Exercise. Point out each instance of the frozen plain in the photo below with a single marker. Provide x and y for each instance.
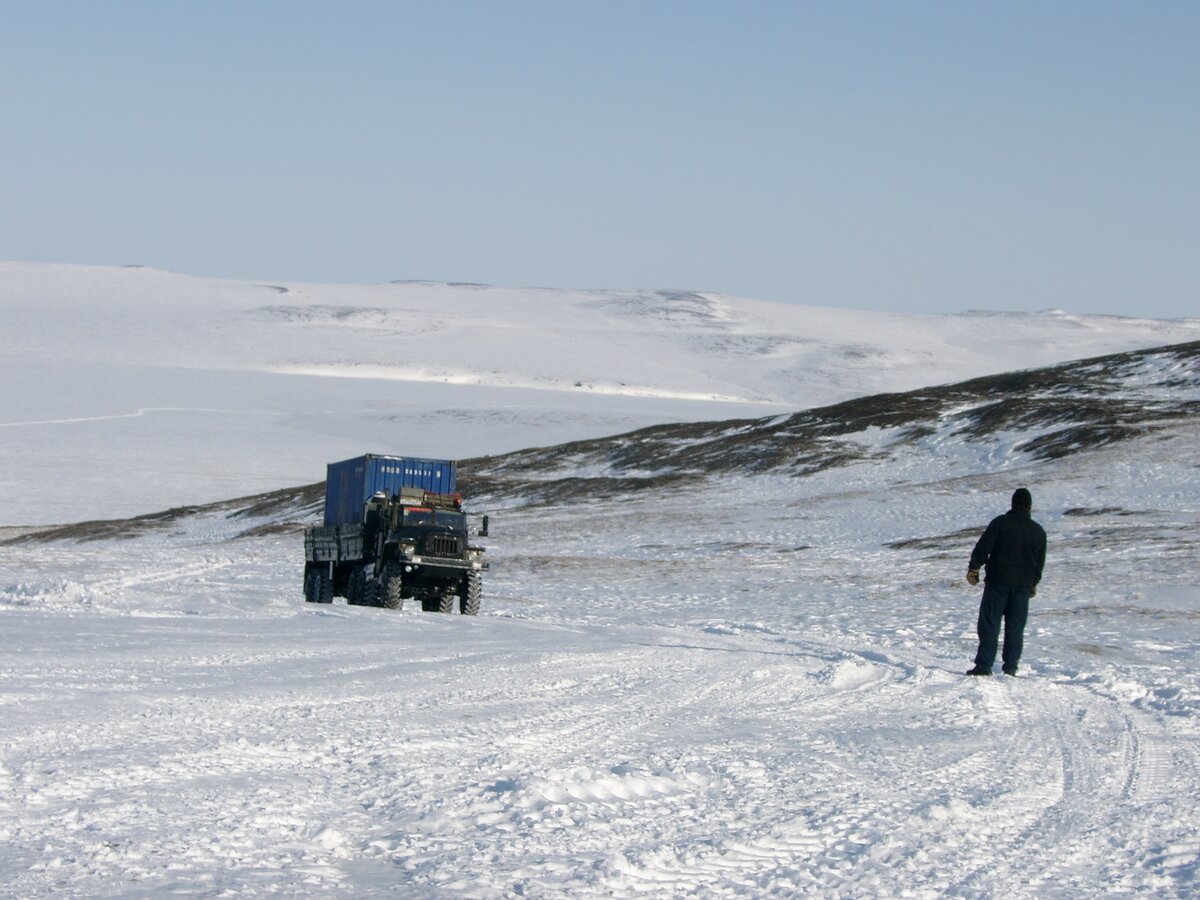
(746, 687)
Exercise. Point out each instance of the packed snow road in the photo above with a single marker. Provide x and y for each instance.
(750, 689)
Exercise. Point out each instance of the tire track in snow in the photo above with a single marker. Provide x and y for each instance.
(1158, 761)
(548, 769)
(834, 845)
(578, 742)
(1158, 764)
(997, 812)
(1042, 832)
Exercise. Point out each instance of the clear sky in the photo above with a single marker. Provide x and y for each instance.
(914, 156)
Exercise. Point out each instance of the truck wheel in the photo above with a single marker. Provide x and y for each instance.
(472, 594)
(445, 601)
(363, 590)
(310, 586)
(323, 587)
(370, 591)
(391, 590)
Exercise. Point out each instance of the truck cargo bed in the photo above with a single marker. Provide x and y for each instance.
(334, 543)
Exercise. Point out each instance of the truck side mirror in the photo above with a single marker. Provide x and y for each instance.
(483, 529)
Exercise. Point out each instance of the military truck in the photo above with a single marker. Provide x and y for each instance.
(394, 530)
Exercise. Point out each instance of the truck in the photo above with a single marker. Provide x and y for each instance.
(394, 530)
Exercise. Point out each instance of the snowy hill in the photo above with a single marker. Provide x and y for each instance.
(143, 389)
(716, 659)
(987, 424)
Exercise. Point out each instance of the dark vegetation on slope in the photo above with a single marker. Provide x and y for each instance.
(288, 509)
(1058, 410)
(1052, 412)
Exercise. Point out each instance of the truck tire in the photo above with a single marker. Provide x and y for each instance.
(310, 586)
(391, 590)
(363, 589)
(323, 587)
(370, 591)
(444, 601)
(472, 594)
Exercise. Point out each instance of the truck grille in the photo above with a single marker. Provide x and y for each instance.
(443, 545)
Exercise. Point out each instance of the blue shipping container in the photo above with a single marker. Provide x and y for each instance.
(349, 484)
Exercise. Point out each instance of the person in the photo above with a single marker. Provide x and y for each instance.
(1013, 551)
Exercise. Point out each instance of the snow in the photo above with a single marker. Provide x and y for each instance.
(750, 687)
(197, 389)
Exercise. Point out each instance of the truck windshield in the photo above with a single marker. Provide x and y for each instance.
(426, 516)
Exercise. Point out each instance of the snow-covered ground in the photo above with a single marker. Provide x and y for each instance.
(741, 690)
(139, 389)
(741, 686)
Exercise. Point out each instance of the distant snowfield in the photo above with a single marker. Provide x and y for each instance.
(139, 389)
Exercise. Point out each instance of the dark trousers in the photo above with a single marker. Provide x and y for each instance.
(1012, 605)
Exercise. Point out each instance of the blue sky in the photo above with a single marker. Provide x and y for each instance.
(920, 157)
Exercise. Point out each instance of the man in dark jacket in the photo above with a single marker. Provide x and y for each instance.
(1013, 550)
